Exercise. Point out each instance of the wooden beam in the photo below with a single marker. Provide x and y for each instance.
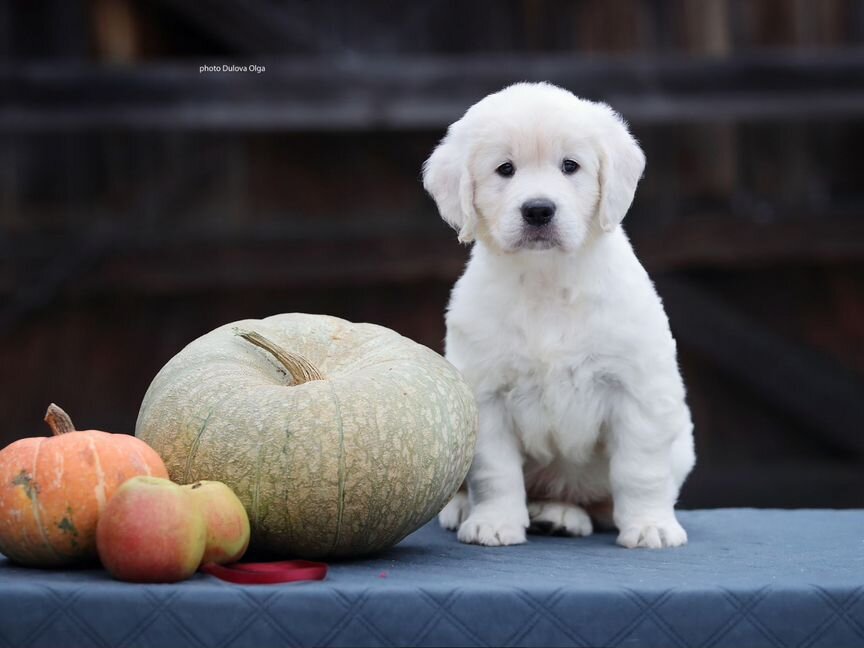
(421, 92)
(36, 291)
(298, 255)
(377, 251)
(255, 29)
(194, 268)
(797, 484)
(735, 241)
(807, 384)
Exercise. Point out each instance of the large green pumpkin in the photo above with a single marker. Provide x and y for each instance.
(340, 439)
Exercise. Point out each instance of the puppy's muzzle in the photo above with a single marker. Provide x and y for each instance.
(538, 211)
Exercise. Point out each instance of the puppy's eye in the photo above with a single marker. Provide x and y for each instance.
(506, 170)
(569, 166)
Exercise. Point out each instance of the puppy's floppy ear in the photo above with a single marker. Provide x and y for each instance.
(621, 165)
(447, 179)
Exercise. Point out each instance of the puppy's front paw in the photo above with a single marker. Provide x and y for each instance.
(493, 529)
(452, 515)
(559, 518)
(652, 534)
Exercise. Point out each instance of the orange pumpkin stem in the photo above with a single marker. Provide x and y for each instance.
(58, 420)
(300, 368)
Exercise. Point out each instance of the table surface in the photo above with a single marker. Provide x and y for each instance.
(747, 578)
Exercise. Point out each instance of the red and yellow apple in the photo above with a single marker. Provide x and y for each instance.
(226, 521)
(151, 531)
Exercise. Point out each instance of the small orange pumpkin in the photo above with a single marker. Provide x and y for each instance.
(52, 489)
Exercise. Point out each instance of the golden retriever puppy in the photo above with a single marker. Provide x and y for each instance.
(556, 325)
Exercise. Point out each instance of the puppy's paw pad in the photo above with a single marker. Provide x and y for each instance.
(558, 518)
(653, 535)
(490, 534)
(452, 515)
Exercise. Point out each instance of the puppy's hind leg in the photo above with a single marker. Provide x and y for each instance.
(452, 515)
(559, 518)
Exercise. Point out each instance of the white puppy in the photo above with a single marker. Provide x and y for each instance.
(556, 325)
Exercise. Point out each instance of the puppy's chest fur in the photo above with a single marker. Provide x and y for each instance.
(556, 379)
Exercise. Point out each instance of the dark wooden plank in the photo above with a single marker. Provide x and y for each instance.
(359, 262)
(302, 251)
(422, 92)
(726, 241)
(818, 391)
(37, 287)
(258, 28)
(717, 241)
(784, 484)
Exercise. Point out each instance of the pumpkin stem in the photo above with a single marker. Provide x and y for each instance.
(300, 368)
(58, 420)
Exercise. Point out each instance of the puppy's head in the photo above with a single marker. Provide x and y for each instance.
(533, 167)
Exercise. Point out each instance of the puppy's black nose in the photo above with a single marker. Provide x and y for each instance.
(538, 211)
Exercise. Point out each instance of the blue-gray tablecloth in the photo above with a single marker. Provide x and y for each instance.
(747, 578)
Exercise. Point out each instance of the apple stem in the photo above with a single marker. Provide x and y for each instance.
(58, 420)
(300, 368)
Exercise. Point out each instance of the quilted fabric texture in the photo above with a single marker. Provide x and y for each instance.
(747, 578)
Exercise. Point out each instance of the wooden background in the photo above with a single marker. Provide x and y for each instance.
(143, 203)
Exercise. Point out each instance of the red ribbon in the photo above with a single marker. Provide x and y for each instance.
(285, 571)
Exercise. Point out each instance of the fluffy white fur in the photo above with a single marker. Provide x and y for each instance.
(558, 329)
